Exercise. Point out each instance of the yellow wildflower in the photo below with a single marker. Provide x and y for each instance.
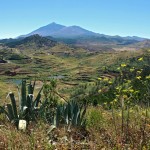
(148, 77)
(131, 110)
(124, 90)
(131, 90)
(135, 92)
(138, 77)
(110, 82)
(117, 95)
(132, 69)
(119, 114)
(115, 100)
(111, 102)
(117, 88)
(99, 91)
(140, 59)
(100, 79)
(105, 79)
(139, 72)
(123, 65)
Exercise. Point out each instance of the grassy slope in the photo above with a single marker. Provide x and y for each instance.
(60, 60)
(104, 131)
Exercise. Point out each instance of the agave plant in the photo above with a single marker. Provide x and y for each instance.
(70, 114)
(27, 104)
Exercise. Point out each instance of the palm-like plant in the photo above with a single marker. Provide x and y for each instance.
(27, 104)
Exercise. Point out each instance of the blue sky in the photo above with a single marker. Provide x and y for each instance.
(112, 17)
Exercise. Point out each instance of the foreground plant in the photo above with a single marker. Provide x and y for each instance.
(27, 110)
(70, 114)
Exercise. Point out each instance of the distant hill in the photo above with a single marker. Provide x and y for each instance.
(60, 31)
(47, 36)
(4, 41)
(142, 44)
(47, 30)
(33, 41)
(96, 40)
(73, 31)
(57, 30)
(135, 38)
(92, 43)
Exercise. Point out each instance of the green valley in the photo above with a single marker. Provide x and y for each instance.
(55, 94)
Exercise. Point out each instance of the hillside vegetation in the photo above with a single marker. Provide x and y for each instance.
(70, 97)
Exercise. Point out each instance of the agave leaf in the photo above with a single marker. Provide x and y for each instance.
(29, 100)
(54, 121)
(52, 127)
(31, 110)
(37, 100)
(23, 94)
(83, 113)
(24, 114)
(10, 112)
(42, 108)
(74, 114)
(83, 123)
(30, 89)
(69, 111)
(19, 97)
(66, 114)
(13, 102)
(2, 110)
(79, 119)
(33, 86)
(58, 115)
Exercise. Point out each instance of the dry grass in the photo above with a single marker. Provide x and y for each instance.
(104, 131)
(34, 138)
(5, 88)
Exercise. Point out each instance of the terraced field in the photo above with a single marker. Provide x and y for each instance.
(77, 65)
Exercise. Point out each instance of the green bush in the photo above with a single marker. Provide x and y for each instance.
(95, 119)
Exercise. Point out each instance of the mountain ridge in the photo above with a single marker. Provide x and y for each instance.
(33, 41)
(75, 36)
(61, 31)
